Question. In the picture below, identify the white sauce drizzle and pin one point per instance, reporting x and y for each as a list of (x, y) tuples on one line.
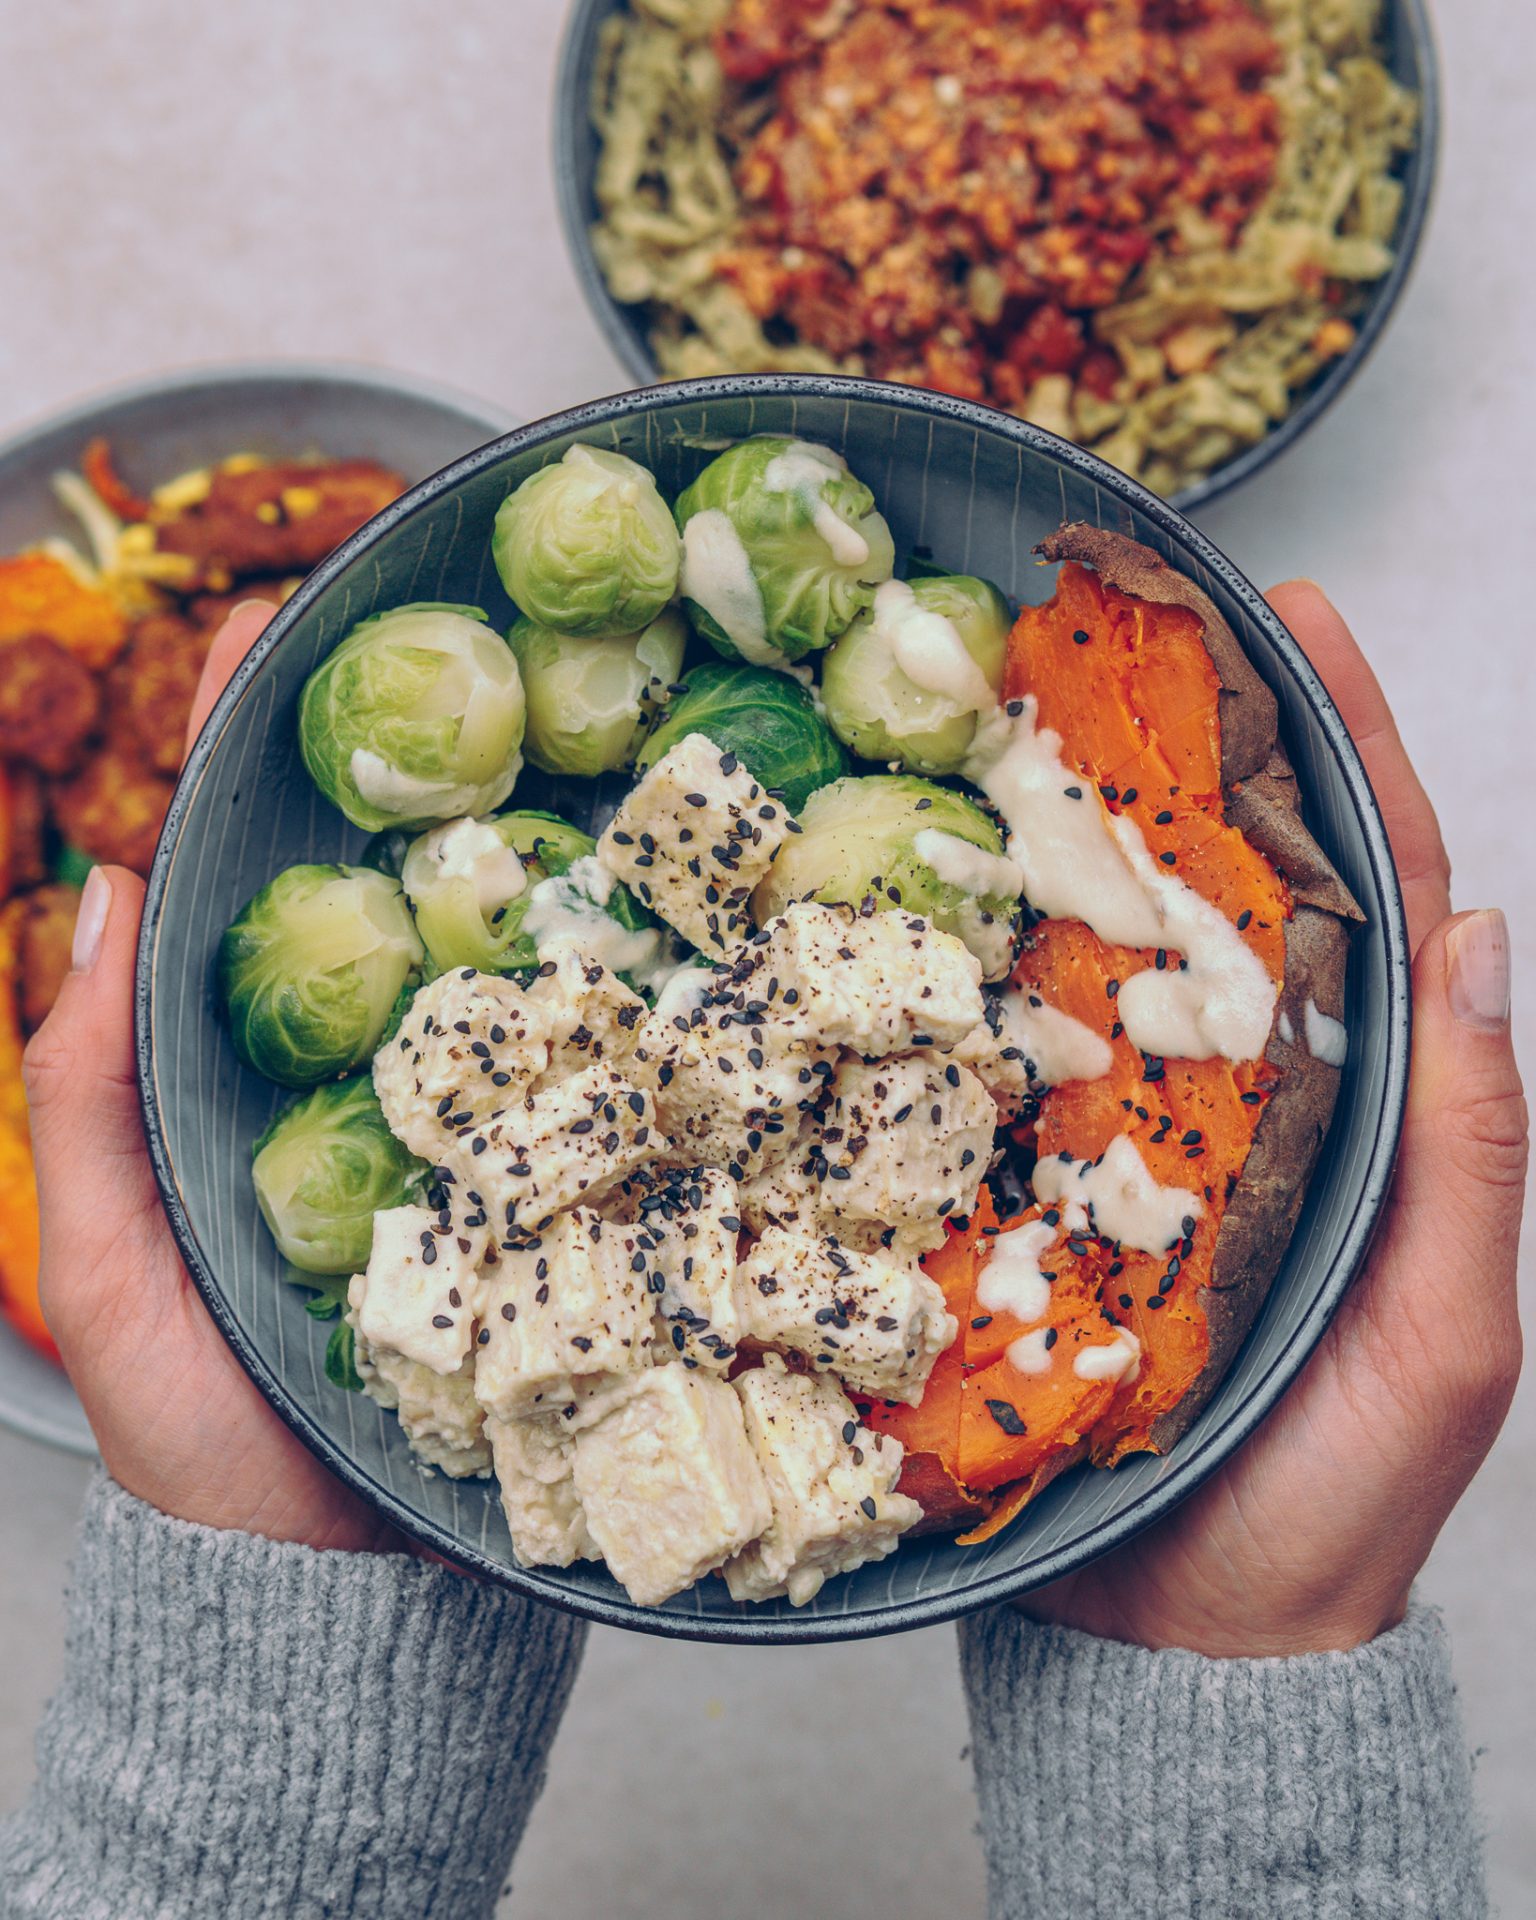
[(472, 850), (717, 576), (569, 910), (928, 649), (1059, 1047), (1079, 863), (1011, 1281), (804, 468), (392, 791), (1128, 1205), (960, 863), (1030, 1352), (1284, 1028), (1120, 1360), (1327, 1038)]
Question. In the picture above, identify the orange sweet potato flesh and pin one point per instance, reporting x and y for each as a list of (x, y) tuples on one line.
[(39, 594), (1132, 690)]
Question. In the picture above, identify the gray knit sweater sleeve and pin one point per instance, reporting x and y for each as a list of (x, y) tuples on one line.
[(1115, 1781), (263, 1732)]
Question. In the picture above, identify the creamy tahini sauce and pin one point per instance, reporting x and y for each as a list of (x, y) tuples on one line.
[(804, 469), (960, 863), (928, 649), (1059, 1047), (472, 850), (1031, 1352), (570, 910), (1127, 1204), (392, 791), (1120, 1360), (1327, 1038), (1011, 1281), (717, 576), (1081, 863)]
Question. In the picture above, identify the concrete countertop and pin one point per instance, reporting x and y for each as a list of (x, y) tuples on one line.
[(371, 182)]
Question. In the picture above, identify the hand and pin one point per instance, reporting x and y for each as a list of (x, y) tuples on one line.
[(178, 1422), (1310, 1538)]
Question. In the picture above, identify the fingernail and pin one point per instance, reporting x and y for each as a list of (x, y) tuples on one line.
[(91, 921), (1478, 970), (264, 607)]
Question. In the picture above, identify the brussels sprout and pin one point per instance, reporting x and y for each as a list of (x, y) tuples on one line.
[(781, 548), (588, 546), (902, 842), (415, 717), (911, 678), (485, 892), (326, 1164), (310, 969), (590, 701), (768, 720)]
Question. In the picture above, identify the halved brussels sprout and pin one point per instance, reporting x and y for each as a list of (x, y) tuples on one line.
[(590, 701), (768, 720), (588, 546), (415, 717), (782, 546), (488, 894), (310, 970), (911, 678), (326, 1164), (902, 843)]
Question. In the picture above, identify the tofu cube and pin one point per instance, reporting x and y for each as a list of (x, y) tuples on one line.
[(877, 1324), (437, 1411), (834, 1500), (562, 1309), (470, 1043), (796, 1194), (693, 839), (533, 1460), (691, 1224), (563, 1143), (905, 1142), (876, 983), (417, 1295), (669, 1483), (593, 1018)]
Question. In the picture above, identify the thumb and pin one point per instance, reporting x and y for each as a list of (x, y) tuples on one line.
[(93, 1176), (1446, 1276)]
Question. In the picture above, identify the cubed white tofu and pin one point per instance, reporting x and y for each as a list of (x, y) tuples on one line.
[(438, 1412), (593, 1017), (832, 1483), (796, 1194), (565, 1142), (566, 1308), (418, 1292), (690, 1224), (533, 1460), (469, 1044), (730, 1083), (906, 1142), (876, 1323), (667, 1480), (876, 983), (693, 839)]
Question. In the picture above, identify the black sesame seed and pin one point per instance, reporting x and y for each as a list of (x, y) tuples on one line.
[(1007, 1417)]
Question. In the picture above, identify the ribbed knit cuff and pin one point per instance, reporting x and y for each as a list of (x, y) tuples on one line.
[(1113, 1781), (252, 1730)]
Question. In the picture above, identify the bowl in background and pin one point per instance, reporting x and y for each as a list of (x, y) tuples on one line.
[(161, 427), (1410, 55), (977, 489)]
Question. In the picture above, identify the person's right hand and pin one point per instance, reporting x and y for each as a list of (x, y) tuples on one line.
[(1310, 1537), (178, 1421)]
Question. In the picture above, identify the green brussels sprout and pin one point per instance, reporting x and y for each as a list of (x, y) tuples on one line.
[(590, 701), (324, 1167), (782, 546), (902, 842), (588, 546), (485, 892), (417, 716), (310, 970), (768, 720), (910, 680)]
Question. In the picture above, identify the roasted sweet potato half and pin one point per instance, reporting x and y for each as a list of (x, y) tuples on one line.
[(1161, 719)]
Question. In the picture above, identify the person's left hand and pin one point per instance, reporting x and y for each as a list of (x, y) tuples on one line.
[(178, 1421)]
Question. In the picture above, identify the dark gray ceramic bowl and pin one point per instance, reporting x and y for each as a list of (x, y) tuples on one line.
[(161, 427), (1413, 60), (978, 490)]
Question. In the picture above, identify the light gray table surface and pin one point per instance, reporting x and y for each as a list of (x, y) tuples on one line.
[(370, 181)]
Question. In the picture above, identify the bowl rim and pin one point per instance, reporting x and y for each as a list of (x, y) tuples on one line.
[(1193, 1461), (93, 410), (624, 337)]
